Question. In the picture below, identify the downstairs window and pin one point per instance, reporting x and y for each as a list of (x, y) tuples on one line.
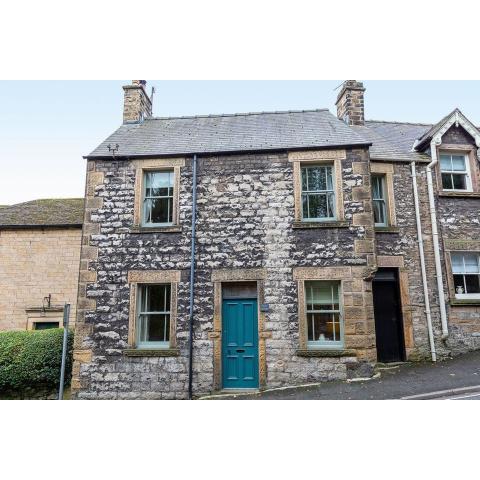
[(466, 274), (153, 327), (324, 317)]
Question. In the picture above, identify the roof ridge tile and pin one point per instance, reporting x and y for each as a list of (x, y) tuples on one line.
[(239, 114)]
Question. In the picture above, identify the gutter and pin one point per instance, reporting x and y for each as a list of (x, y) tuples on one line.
[(192, 277), (40, 227), (422, 264), (436, 247), (229, 152)]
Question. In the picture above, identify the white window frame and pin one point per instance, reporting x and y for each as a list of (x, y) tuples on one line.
[(144, 198), (327, 344), (383, 181), (145, 344), (466, 172), (465, 296), (319, 192)]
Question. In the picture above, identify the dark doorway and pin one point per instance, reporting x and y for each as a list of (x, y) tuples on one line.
[(388, 316)]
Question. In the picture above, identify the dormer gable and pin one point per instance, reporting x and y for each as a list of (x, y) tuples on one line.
[(453, 125)]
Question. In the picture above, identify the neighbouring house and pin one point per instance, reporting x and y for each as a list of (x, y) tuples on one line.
[(320, 245), (39, 262)]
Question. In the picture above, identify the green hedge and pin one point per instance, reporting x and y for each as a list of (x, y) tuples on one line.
[(32, 359)]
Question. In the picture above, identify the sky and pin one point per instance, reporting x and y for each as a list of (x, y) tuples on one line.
[(47, 126)]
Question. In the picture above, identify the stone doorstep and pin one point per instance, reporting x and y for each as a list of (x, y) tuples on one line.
[(390, 366)]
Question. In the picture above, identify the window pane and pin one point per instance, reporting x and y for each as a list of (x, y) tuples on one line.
[(323, 327), (445, 162), (447, 181), (377, 187), (317, 206), (305, 205), (158, 328), (379, 212), (317, 179), (304, 179), (45, 325), (154, 328), (155, 298), (158, 184), (158, 298), (158, 210), (471, 263), (459, 284), (458, 163), (472, 283), (457, 263), (459, 181), (322, 295), (331, 204), (329, 171)]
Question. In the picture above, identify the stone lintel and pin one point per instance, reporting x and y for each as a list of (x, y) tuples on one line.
[(322, 273), (238, 274), (317, 155), (154, 276)]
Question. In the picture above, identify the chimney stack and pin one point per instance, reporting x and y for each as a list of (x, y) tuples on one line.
[(350, 105), (136, 105)]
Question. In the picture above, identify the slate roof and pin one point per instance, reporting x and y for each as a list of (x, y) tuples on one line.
[(427, 135), (394, 140), (230, 133), (66, 212)]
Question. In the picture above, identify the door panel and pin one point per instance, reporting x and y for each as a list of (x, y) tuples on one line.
[(240, 343), (388, 317)]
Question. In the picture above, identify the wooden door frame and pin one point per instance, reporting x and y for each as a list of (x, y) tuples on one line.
[(251, 299), (219, 277)]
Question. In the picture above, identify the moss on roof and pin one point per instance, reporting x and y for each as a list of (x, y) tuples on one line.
[(43, 213)]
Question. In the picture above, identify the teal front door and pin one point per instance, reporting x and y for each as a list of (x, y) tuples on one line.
[(240, 343)]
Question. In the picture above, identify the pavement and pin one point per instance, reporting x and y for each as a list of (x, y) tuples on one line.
[(453, 379)]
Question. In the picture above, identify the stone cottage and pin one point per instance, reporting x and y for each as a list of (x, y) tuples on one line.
[(39, 262), (260, 250)]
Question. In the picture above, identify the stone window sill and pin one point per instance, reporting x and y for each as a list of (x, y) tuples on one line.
[(143, 352), (169, 229), (465, 302), (460, 194), (325, 353), (308, 225), (387, 230)]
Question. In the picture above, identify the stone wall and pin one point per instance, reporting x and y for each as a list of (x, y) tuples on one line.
[(245, 221), (402, 243), (459, 226), (33, 264)]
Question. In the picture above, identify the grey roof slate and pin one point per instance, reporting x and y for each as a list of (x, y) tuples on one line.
[(427, 135), (43, 213), (393, 140), (230, 133)]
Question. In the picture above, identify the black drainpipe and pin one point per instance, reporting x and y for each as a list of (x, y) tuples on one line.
[(192, 276)]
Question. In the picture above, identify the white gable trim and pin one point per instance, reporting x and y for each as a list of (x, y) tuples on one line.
[(457, 118)]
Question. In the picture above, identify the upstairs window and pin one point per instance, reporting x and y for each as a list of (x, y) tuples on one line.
[(455, 172), (324, 319), (379, 201), (153, 330), (158, 198), (466, 274), (318, 194)]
